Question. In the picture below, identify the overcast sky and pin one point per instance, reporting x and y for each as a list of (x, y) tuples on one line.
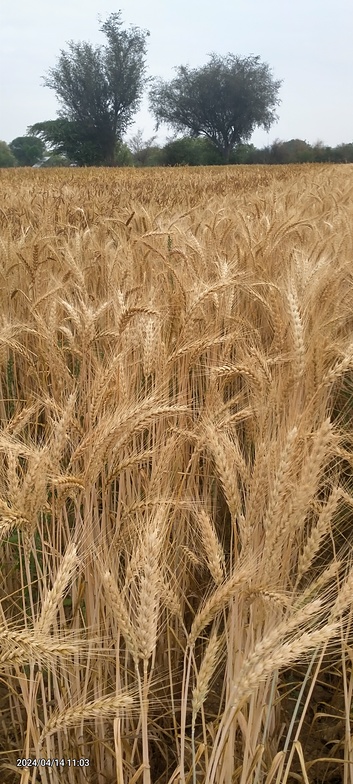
[(307, 43)]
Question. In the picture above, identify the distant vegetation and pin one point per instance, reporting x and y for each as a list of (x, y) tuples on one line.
[(185, 151)]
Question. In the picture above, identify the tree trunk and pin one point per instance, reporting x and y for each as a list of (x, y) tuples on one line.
[(110, 156), (226, 151)]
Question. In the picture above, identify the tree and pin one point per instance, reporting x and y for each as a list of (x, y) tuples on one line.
[(293, 151), (7, 159), (145, 152), (343, 153), (191, 152), (80, 143), (100, 89), (27, 150), (123, 155), (141, 149), (243, 153), (225, 100)]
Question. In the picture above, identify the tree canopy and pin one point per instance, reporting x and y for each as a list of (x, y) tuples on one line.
[(27, 150), (224, 100), (100, 89), (7, 158), (78, 141)]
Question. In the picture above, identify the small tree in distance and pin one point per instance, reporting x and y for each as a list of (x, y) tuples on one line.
[(191, 152), (224, 100), (27, 150), (7, 158)]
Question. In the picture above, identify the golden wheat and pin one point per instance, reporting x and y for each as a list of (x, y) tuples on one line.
[(175, 470)]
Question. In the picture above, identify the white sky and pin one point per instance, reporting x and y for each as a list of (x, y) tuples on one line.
[(307, 43)]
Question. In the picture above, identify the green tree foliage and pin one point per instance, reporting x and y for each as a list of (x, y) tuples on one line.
[(191, 152), (100, 89), (145, 152), (27, 150), (7, 158), (80, 143), (246, 153), (321, 153), (140, 149), (155, 156), (293, 151), (123, 155), (225, 100), (343, 153)]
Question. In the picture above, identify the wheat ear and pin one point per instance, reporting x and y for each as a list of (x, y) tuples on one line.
[(229, 463), (262, 663), (318, 533), (257, 667), (120, 612), (344, 598), (212, 546), (294, 516), (206, 670), (63, 577), (298, 334), (60, 434), (150, 587), (100, 708), (218, 600), (279, 489), (23, 647)]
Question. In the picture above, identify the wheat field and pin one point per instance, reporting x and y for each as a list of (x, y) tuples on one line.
[(176, 475)]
